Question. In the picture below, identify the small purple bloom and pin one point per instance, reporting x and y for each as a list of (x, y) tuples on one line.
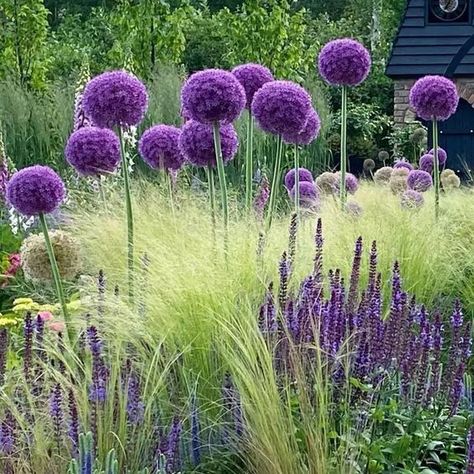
[(56, 411), (213, 95), (470, 452), (115, 98), (442, 155), (403, 164), (135, 406), (308, 194), (412, 199), (352, 183), (28, 331), (172, 446), (197, 143), (159, 147), (93, 151), (7, 434), (252, 77), (290, 177), (427, 163), (419, 180), (35, 190), (434, 98), (281, 107), (309, 132), (344, 62), (73, 424), (3, 353)]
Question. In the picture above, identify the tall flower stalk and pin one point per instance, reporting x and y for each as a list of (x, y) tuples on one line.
[(249, 163), (275, 180), (342, 184), (436, 166)]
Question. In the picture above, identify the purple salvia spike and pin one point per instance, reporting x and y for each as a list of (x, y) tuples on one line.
[(41, 356), (173, 461), (267, 320), (56, 413), (360, 319), (195, 433), (466, 342), (28, 331), (470, 452), (3, 354), (7, 434), (426, 344), (457, 320), (98, 389), (73, 424), (291, 319), (283, 291), (373, 264), (355, 276), (304, 310), (437, 337), (318, 258), (135, 406), (457, 388), (292, 235)]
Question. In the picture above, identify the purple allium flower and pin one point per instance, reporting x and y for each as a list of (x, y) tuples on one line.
[(344, 62), (213, 95), (403, 164), (159, 147), (115, 98), (470, 452), (93, 151), (35, 190), (281, 107), (419, 180), (434, 98), (56, 412), (290, 177), (309, 132), (427, 163), (352, 183), (412, 199), (308, 194), (442, 155), (73, 424), (252, 77), (197, 143)]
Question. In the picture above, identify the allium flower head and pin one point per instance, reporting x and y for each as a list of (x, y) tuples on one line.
[(35, 260), (383, 175), (213, 95), (93, 151), (352, 183), (308, 134), (419, 180), (383, 155), (344, 62), (403, 164), (419, 136), (303, 173), (434, 97), (447, 172), (451, 181), (159, 147), (281, 107), (35, 190), (398, 184), (442, 155), (427, 163), (369, 165), (400, 172), (308, 194), (196, 143), (327, 182), (115, 98), (412, 199), (252, 77)]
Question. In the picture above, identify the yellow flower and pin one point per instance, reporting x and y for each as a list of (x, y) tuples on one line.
[(5, 322), (22, 301), (26, 307)]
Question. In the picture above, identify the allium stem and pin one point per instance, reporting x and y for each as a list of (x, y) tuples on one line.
[(249, 164), (436, 166), (275, 181), (222, 182), (297, 180), (56, 276), (342, 185), (129, 209), (212, 198)]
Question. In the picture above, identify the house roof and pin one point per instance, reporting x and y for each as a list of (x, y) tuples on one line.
[(421, 48)]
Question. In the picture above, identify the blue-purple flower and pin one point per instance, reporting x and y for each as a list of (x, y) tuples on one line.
[(419, 180), (252, 77), (93, 151), (427, 163), (309, 132), (442, 155), (303, 174), (412, 199), (308, 192), (35, 190), (344, 62), (115, 98), (159, 147), (213, 95), (403, 164)]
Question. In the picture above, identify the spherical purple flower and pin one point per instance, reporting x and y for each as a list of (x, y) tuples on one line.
[(308, 194), (344, 62), (213, 95), (352, 183), (434, 98), (427, 162), (403, 164), (281, 107), (412, 199), (442, 155), (159, 147), (308, 134), (115, 98), (419, 180), (252, 77), (304, 175), (35, 190), (196, 143), (93, 151)]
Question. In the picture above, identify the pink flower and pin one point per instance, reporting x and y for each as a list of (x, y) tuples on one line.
[(14, 263), (46, 315), (57, 326)]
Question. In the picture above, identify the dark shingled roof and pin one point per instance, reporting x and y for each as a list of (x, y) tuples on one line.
[(421, 48)]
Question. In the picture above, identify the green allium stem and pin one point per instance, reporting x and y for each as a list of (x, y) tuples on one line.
[(342, 186), (297, 181), (222, 182), (436, 166), (129, 210), (275, 182), (56, 277), (249, 164)]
